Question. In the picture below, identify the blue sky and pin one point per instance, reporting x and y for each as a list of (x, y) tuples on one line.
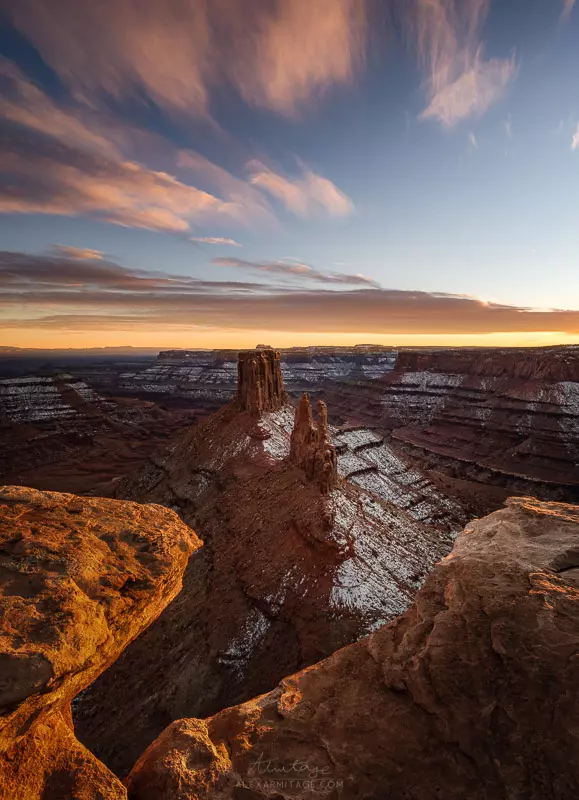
[(378, 150)]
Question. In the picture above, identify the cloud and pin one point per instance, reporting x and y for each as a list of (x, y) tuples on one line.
[(84, 295), (308, 195), (473, 140), (215, 240), (52, 162), (278, 54), (472, 93), (296, 269), (70, 276), (79, 253), (460, 82), (25, 105), (301, 49), (568, 6), (43, 176), (575, 141)]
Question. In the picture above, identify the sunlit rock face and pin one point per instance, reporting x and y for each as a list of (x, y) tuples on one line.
[(80, 578), (297, 563), (472, 692), (310, 448), (259, 382)]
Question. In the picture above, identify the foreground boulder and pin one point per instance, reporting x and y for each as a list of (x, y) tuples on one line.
[(472, 693), (80, 578)]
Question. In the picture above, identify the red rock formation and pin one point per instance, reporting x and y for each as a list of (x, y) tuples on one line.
[(80, 578), (549, 364), (502, 418), (287, 576), (310, 448), (472, 693), (259, 382)]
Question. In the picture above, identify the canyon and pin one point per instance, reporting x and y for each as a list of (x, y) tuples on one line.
[(297, 562), (451, 698), (327, 629), (472, 425), (503, 418)]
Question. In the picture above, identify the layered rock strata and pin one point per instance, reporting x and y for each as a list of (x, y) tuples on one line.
[(259, 382), (208, 377), (287, 574), (310, 448), (471, 693), (500, 418), (80, 578)]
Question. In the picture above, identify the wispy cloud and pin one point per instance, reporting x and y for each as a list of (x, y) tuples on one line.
[(79, 253), (176, 51), (302, 49), (308, 195), (575, 140), (64, 277), (509, 128), (460, 81), (215, 240), (473, 140), (568, 6), (71, 294), (291, 268), (54, 162)]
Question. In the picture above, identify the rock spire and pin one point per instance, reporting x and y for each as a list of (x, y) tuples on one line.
[(259, 381), (310, 448)]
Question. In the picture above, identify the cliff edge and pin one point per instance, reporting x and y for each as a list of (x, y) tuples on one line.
[(80, 578)]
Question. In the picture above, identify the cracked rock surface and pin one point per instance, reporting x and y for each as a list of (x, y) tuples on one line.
[(80, 578)]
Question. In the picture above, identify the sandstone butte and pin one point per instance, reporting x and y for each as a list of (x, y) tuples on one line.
[(80, 578), (471, 693)]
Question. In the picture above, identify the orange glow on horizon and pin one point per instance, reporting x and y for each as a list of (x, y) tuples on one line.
[(200, 339)]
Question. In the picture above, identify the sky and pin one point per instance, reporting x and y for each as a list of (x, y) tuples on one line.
[(222, 173)]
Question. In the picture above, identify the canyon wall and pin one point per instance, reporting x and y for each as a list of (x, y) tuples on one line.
[(209, 376), (501, 417)]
